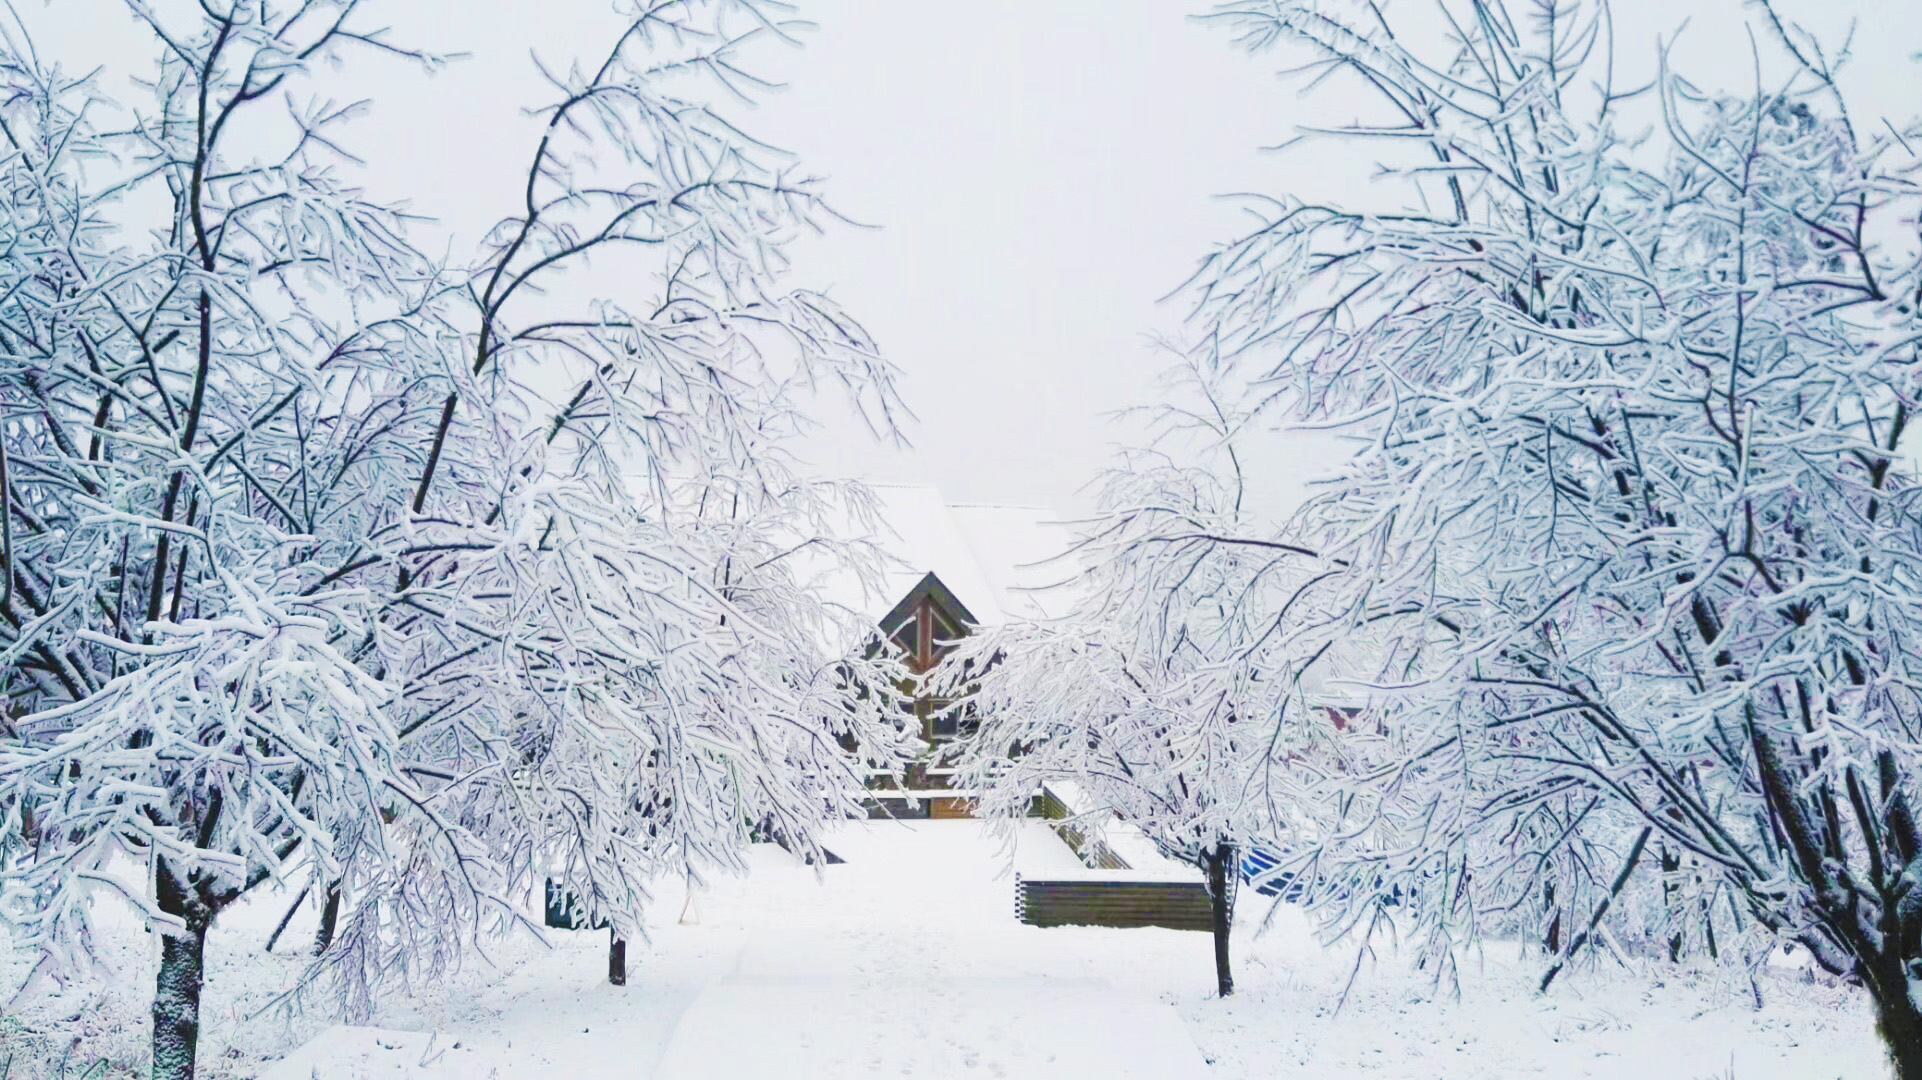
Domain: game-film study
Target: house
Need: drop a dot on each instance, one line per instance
(956, 567)
(960, 567)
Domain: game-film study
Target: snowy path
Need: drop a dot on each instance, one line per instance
(907, 961)
(1000, 1028)
(895, 977)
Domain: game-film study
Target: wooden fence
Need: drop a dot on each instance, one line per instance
(1176, 905)
(1091, 849)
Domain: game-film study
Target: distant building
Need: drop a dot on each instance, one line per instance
(957, 567)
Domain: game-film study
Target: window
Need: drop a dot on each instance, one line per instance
(946, 723)
(945, 633)
(908, 637)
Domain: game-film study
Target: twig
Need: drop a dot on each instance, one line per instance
(1366, 948)
(1595, 920)
(284, 919)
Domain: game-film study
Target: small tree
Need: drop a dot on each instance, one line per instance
(1633, 517)
(1150, 693)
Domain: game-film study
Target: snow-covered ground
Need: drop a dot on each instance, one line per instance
(907, 961)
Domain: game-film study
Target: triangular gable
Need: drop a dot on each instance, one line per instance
(928, 588)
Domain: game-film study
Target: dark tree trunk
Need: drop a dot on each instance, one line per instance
(176, 998)
(1882, 946)
(329, 919)
(1671, 866)
(1220, 864)
(616, 959)
(1899, 1021)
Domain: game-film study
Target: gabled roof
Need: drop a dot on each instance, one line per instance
(1023, 552)
(986, 558)
(928, 587)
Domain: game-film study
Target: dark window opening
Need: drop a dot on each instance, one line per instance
(909, 637)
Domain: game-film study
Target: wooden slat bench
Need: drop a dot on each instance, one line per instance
(1176, 905)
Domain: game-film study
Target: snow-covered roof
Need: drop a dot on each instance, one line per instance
(996, 559)
(1023, 552)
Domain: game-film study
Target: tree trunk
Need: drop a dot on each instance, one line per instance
(1220, 866)
(1900, 1023)
(329, 918)
(176, 997)
(616, 959)
(1671, 866)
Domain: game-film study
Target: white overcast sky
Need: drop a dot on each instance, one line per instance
(1042, 171)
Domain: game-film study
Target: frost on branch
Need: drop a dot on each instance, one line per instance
(408, 582)
(1635, 504)
(1155, 695)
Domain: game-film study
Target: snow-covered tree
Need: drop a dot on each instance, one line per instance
(1151, 695)
(414, 583)
(1633, 517)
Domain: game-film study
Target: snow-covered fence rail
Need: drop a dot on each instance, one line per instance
(1093, 849)
(1176, 905)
